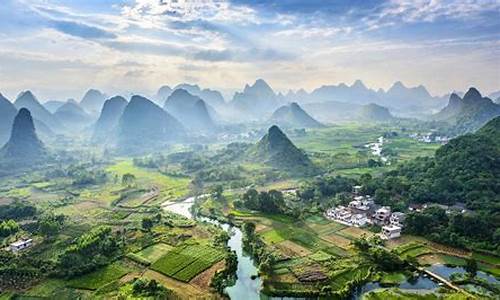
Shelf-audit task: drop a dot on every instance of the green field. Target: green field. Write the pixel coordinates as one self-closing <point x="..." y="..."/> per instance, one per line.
<point x="171" y="187"/>
<point x="185" y="262"/>
<point x="153" y="252"/>
<point x="96" y="279"/>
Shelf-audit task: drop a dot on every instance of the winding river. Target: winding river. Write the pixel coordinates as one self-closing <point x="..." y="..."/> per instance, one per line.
<point x="248" y="288"/>
<point x="245" y="287"/>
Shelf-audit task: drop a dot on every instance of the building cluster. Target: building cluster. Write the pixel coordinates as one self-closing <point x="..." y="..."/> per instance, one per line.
<point x="363" y="211"/>
<point x="430" y="137"/>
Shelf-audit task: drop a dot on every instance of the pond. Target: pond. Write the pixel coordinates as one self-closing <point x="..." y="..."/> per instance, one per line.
<point x="446" y="271"/>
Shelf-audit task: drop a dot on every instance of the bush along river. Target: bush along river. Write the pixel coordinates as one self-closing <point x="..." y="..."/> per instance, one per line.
<point x="248" y="285"/>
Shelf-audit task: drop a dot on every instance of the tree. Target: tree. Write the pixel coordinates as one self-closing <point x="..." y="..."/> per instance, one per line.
<point x="217" y="191"/>
<point x="147" y="223"/>
<point x="249" y="228"/>
<point x="251" y="199"/>
<point x="128" y="179"/>
<point x="471" y="267"/>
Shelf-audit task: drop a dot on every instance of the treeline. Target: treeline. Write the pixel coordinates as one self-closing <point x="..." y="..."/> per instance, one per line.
<point x="470" y="231"/>
<point x="324" y="187"/>
<point x="267" y="202"/>
<point x="17" y="211"/>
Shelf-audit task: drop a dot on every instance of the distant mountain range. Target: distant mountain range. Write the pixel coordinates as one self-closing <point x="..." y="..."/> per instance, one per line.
<point x="292" y="115"/>
<point x="257" y="101"/>
<point x="92" y="101"/>
<point x="190" y="110"/>
<point x="38" y="111"/>
<point x="144" y="124"/>
<point x="400" y="98"/>
<point x="105" y="129"/>
<point x="211" y="97"/>
<point x="72" y="115"/>
<point x="468" y="113"/>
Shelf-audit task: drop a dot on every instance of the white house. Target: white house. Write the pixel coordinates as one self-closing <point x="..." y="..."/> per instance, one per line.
<point x="390" y="232"/>
<point x="20" y="245"/>
<point x="359" y="220"/>
<point x="382" y="214"/>
<point x="397" y="219"/>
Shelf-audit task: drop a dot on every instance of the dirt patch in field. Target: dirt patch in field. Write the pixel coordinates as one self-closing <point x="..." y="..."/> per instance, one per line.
<point x="5" y="201"/>
<point x="356" y="232"/>
<point x="129" y="277"/>
<point x="203" y="279"/>
<point x="292" y="249"/>
<point x="260" y="227"/>
<point x="338" y="241"/>
<point x="182" y="290"/>
<point x="430" y="259"/>
<point x="405" y="239"/>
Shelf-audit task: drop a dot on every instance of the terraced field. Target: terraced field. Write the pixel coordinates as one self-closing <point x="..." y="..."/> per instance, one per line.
<point x="185" y="262"/>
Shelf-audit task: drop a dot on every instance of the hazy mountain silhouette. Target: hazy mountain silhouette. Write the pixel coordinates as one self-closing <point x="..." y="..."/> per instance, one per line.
<point x="257" y="101"/>
<point x="53" y="105"/>
<point x="190" y="110"/>
<point x="38" y="111"/>
<point x="292" y="115"/>
<point x="468" y="113"/>
<point x="278" y="151"/>
<point x="107" y="124"/>
<point x="72" y="115"/>
<point x="23" y="143"/>
<point x="374" y="113"/>
<point x="144" y="124"/>
<point x="92" y="101"/>
<point x="211" y="97"/>
<point x="163" y="93"/>
<point x="7" y="114"/>
<point x="407" y="100"/>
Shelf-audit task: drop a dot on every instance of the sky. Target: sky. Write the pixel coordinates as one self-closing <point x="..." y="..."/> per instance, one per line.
<point x="61" y="48"/>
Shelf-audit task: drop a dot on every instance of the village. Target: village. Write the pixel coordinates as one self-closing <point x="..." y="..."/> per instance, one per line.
<point x="363" y="211"/>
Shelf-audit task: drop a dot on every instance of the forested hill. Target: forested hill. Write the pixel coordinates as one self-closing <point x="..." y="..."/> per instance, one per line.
<point x="466" y="170"/>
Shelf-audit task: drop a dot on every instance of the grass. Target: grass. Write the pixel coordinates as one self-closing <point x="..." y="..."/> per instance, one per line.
<point x="185" y="262"/>
<point x="272" y="237"/>
<point x="153" y="252"/>
<point x="490" y="259"/>
<point x="47" y="288"/>
<point x="96" y="279"/>
<point x="452" y="260"/>
<point x="392" y="278"/>
<point x="171" y="187"/>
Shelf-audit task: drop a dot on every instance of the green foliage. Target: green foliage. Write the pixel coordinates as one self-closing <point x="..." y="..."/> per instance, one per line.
<point x="8" y="227"/>
<point x="50" y="224"/>
<point x="324" y="187"/>
<point x="16" y="211"/>
<point x="227" y="276"/>
<point x="268" y="202"/>
<point x="91" y="250"/>
<point x="128" y="179"/>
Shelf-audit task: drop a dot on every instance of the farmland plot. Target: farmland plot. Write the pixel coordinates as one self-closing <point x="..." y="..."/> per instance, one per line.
<point x="185" y="262"/>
